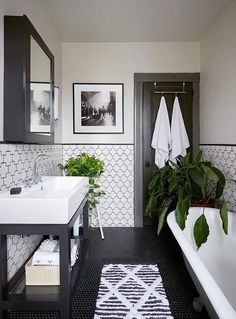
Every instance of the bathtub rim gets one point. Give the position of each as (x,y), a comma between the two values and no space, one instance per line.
(212,290)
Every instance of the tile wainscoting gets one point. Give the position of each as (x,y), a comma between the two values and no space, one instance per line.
(117,206)
(224,158)
(17,161)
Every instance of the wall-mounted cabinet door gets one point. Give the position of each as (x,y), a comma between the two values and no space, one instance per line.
(28,84)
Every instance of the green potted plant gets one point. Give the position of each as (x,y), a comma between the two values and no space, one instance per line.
(190,183)
(90,166)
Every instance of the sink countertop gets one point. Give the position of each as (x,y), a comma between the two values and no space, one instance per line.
(52,201)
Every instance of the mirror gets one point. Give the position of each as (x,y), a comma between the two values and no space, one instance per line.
(40,90)
(29,64)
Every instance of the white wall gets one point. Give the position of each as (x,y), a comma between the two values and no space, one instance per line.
(41,21)
(117,62)
(218,81)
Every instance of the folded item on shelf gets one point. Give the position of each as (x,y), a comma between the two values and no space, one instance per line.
(49,245)
(47,256)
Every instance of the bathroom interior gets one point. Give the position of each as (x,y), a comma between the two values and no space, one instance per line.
(114,116)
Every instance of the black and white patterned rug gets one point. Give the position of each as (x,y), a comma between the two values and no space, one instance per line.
(131,292)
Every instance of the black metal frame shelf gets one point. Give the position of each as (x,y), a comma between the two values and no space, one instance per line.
(57,297)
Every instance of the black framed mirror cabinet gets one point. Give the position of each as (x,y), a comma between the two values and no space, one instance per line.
(28,84)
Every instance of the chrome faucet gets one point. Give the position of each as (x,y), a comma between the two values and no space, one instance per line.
(37,178)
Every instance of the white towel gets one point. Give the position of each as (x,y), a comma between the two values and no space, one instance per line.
(49,245)
(161,135)
(179,137)
(44,257)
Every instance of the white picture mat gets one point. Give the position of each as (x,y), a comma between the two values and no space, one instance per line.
(78,88)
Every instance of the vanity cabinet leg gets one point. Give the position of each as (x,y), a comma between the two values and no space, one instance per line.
(65,272)
(3,273)
(85,221)
(3,314)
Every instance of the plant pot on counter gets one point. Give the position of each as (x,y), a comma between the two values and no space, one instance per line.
(204,203)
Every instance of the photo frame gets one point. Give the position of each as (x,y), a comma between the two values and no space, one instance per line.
(98,108)
(40,112)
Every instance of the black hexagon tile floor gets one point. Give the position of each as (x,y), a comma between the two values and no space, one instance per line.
(130,246)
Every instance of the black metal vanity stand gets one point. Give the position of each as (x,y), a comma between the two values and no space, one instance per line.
(14,295)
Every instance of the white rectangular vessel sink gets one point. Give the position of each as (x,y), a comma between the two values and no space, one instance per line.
(52,201)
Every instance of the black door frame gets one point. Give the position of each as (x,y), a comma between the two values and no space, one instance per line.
(139,79)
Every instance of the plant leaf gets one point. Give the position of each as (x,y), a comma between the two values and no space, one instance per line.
(153,181)
(151,205)
(210,173)
(164,209)
(197,177)
(198,158)
(186,159)
(201,231)
(221,183)
(224,217)
(173,183)
(181,212)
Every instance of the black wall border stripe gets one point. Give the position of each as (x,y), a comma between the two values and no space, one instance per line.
(13,143)
(217,144)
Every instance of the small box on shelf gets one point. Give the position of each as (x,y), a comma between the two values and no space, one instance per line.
(45,275)
(41,275)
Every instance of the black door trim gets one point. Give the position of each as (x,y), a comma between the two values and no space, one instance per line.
(139,79)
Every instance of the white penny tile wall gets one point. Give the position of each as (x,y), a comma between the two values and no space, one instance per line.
(117,206)
(16,165)
(19,248)
(224,158)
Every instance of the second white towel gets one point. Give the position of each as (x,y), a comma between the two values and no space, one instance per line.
(179,137)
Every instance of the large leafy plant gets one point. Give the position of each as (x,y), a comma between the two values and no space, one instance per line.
(178,186)
(90,166)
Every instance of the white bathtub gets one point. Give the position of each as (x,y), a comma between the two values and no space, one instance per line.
(213,266)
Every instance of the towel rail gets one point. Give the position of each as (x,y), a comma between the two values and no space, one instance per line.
(169,92)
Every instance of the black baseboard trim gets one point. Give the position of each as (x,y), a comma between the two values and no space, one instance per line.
(217,144)
(11,143)
(97,144)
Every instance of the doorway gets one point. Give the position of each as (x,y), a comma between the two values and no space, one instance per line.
(147,102)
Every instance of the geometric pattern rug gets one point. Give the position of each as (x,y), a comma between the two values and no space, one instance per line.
(131,292)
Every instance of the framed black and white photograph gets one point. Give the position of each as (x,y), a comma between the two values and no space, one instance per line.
(40,96)
(98,108)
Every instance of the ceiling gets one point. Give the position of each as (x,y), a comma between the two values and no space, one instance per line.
(133,20)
